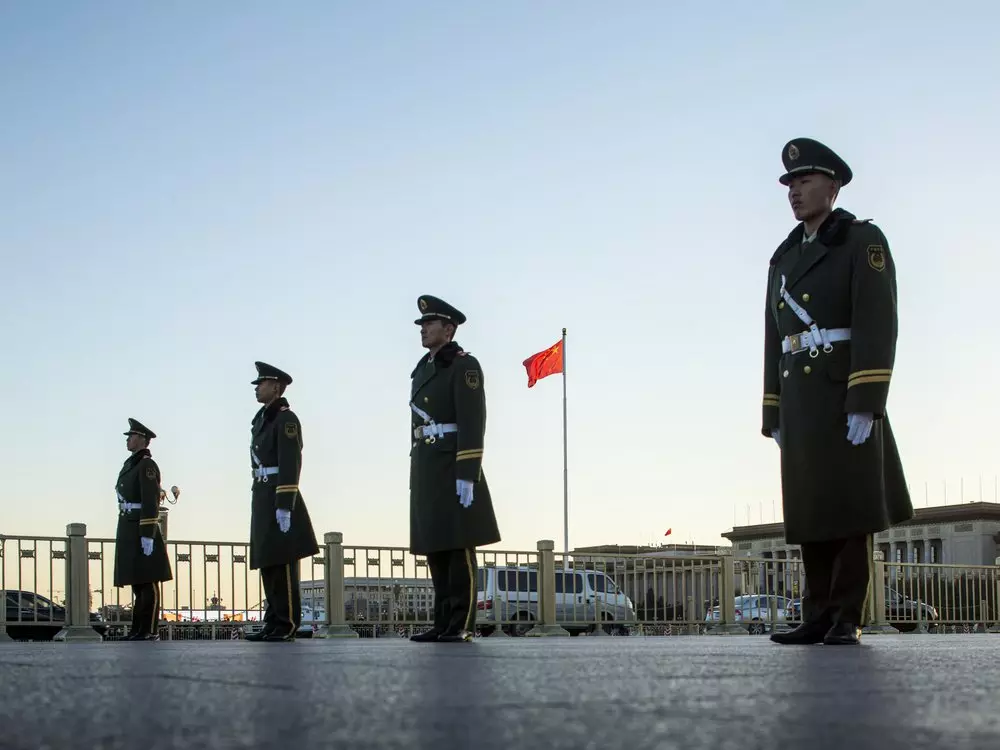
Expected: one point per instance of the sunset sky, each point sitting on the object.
(188, 189)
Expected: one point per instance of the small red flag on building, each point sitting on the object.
(544, 363)
(668, 532)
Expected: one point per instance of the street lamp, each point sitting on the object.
(163, 512)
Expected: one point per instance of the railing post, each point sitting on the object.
(546, 625)
(77, 627)
(876, 602)
(4, 636)
(995, 628)
(162, 519)
(727, 624)
(333, 574)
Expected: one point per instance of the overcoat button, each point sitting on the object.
(807, 369)
(805, 297)
(785, 374)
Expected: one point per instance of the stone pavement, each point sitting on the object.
(906, 691)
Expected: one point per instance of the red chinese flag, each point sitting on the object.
(668, 532)
(543, 364)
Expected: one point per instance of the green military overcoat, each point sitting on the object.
(450, 390)
(845, 278)
(276, 444)
(139, 484)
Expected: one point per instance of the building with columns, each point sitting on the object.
(967, 534)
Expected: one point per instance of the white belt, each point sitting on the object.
(808, 340)
(262, 472)
(129, 506)
(434, 430)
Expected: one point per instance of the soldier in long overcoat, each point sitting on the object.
(830, 329)
(451, 511)
(281, 532)
(141, 559)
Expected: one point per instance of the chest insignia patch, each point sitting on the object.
(150, 472)
(472, 378)
(291, 429)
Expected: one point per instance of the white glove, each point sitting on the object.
(463, 488)
(776, 434)
(284, 519)
(859, 426)
(147, 545)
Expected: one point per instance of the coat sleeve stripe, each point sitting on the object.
(869, 379)
(869, 373)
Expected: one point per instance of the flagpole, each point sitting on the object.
(565, 463)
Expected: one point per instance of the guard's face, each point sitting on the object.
(434, 333)
(135, 442)
(811, 195)
(266, 391)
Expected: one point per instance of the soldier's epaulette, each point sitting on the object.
(463, 353)
(283, 408)
(861, 221)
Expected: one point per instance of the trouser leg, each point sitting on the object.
(153, 609)
(295, 589)
(818, 561)
(133, 627)
(461, 590)
(851, 581)
(439, 563)
(142, 608)
(267, 583)
(280, 617)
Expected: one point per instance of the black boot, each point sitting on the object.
(276, 636)
(428, 636)
(459, 636)
(843, 634)
(805, 634)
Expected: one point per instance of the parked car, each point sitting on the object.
(33, 617)
(584, 598)
(900, 612)
(757, 612)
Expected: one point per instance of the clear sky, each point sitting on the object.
(188, 189)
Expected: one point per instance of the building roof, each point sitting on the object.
(665, 550)
(921, 517)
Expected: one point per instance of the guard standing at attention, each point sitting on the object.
(829, 346)
(140, 553)
(451, 512)
(281, 531)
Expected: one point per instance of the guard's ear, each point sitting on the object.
(835, 190)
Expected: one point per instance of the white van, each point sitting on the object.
(584, 598)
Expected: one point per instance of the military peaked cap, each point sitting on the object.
(135, 427)
(432, 308)
(268, 372)
(805, 156)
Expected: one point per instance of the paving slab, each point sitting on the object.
(639, 693)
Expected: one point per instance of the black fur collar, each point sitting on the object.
(832, 232)
(270, 410)
(444, 358)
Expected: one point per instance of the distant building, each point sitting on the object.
(658, 580)
(967, 534)
(376, 598)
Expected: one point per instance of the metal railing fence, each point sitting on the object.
(63, 587)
